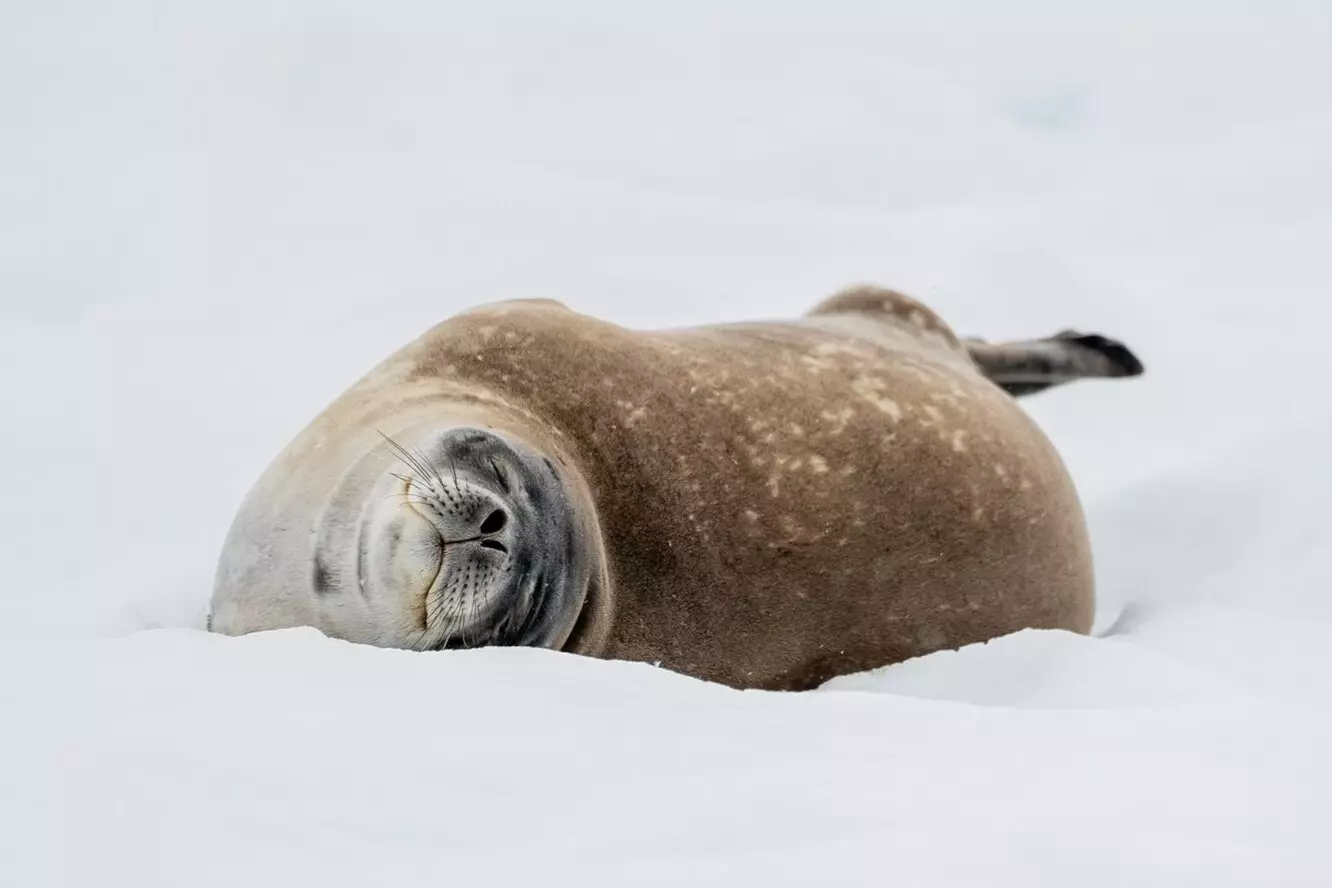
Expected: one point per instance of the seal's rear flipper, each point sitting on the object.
(1030, 366)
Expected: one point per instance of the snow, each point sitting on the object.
(213, 220)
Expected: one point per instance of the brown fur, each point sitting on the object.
(784, 502)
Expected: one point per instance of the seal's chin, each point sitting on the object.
(477, 543)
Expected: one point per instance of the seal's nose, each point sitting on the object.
(494, 523)
(485, 486)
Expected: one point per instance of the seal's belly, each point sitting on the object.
(827, 505)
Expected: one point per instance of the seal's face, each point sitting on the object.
(477, 543)
(456, 538)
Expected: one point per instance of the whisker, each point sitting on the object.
(440, 608)
(453, 617)
(417, 464)
(434, 621)
(428, 468)
(415, 499)
(471, 607)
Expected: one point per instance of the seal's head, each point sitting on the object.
(456, 538)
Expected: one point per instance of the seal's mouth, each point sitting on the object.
(433, 585)
(464, 591)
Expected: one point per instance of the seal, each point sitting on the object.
(764, 505)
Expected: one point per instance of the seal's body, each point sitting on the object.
(763, 505)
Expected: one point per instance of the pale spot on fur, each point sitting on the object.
(816, 365)
(797, 430)
(774, 485)
(795, 465)
(977, 513)
(959, 445)
(1024, 484)
(871, 390)
(839, 419)
(633, 414)
(947, 399)
(1000, 470)
(818, 464)
(934, 413)
(838, 348)
(751, 515)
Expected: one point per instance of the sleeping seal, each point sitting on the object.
(765, 505)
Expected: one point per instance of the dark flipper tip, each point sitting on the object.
(1123, 361)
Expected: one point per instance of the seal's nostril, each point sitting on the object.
(494, 544)
(494, 522)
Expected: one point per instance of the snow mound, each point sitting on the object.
(1047, 669)
(183, 758)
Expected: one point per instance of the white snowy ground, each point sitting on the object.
(212, 221)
